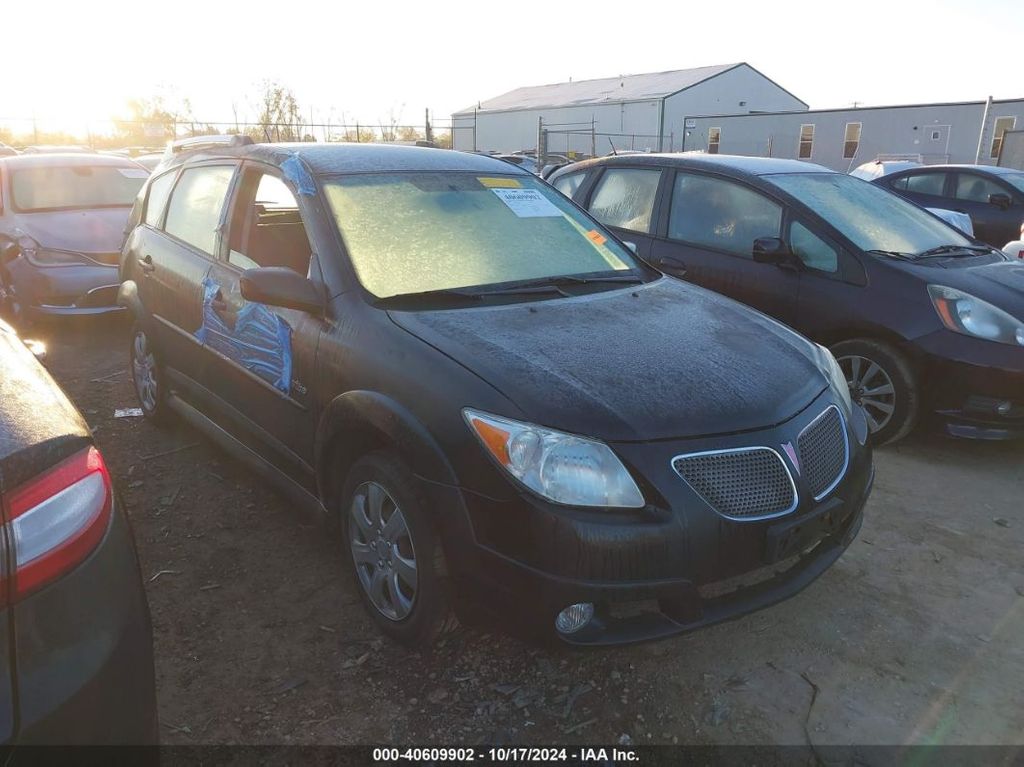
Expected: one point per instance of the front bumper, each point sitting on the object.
(84, 650)
(974, 387)
(65, 290)
(675, 566)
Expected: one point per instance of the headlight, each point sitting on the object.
(835, 376)
(561, 467)
(963, 313)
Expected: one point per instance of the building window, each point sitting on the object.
(852, 140)
(936, 135)
(1003, 124)
(806, 142)
(714, 139)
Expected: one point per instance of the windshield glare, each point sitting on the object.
(65, 187)
(870, 217)
(410, 233)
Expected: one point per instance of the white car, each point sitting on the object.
(1015, 249)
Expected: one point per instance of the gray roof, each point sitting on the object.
(654, 85)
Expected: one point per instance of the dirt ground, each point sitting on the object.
(914, 636)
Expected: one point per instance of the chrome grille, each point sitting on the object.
(824, 452)
(748, 483)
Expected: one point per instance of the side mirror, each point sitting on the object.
(9, 250)
(1000, 200)
(278, 286)
(631, 246)
(771, 250)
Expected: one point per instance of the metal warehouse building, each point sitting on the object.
(961, 132)
(645, 112)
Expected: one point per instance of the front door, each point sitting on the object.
(261, 358)
(993, 223)
(175, 249)
(708, 239)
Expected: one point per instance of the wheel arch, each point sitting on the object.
(358, 422)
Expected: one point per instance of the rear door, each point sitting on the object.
(261, 358)
(993, 223)
(175, 247)
(928, 188)
(623, 199)
(707, 237)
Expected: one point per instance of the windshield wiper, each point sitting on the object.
(943, 250)
(894, 254)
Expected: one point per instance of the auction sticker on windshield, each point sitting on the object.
(527, 203)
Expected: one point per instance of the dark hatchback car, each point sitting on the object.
(76, 648)
(921, 318)
(488, 390)
(992, 196)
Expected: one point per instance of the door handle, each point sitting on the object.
(674, 264)
(146, 264)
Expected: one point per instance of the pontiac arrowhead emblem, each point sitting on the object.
(791, 452)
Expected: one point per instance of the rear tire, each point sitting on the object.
(884, 383)
(394, 552)
(148, 375)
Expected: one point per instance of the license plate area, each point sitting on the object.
(785, 539)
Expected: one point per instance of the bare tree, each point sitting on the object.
(280, 118)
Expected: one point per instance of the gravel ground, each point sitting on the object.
(914, 636)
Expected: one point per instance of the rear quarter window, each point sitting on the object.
(156, 198)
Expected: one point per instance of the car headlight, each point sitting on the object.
(964, 313)
(561, 467)
(836, 377)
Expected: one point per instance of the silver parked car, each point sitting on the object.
(62, 220)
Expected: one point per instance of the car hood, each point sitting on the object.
(989, 278)
(99, 230)
(659, 361)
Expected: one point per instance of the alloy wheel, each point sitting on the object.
(144, 371)
(871, 388)
(382, 551)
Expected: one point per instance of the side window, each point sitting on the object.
(812, 250)
(266, 227)
(570, 183)
(714, 140)
(194, 211)
(1002, 124)
(806, 149)
(923, 183)
(721, 214)
(159, 191)
(975, 188)
(625, 198)
(851, 140)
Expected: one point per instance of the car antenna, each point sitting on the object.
(612, 146)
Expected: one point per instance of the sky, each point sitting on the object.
(372, 62)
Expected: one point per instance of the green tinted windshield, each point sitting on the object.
(870, 217)
(415, 232)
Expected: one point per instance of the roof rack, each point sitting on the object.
(202, 142)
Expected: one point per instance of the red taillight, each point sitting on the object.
(56, 520)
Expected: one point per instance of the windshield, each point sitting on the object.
(1015, 179)
(410, 233)
(870, 217)
(66, 187)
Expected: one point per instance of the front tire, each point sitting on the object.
(883, 382)
(394, 552)
(148, 376)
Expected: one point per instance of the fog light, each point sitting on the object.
(574, 617)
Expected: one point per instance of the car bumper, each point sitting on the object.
(65, 290)
(85, 652)
(673, 567)
(974, 387)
